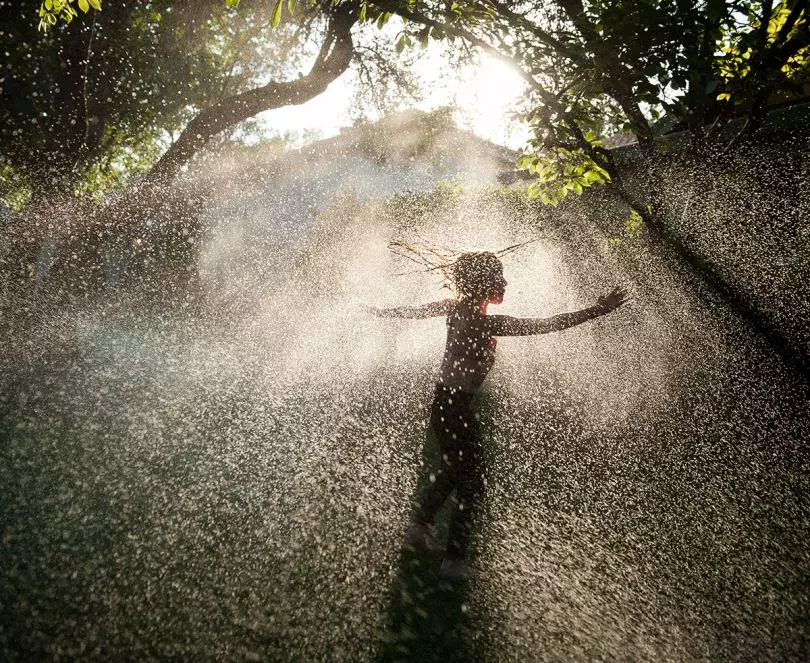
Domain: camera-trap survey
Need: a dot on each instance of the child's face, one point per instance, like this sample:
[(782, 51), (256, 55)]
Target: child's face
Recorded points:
[(479, 277), (494, 285), (497, 288)]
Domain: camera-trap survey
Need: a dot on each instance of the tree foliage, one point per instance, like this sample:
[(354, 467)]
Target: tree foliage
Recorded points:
[(87, 102), (52, 11), (606, 66)]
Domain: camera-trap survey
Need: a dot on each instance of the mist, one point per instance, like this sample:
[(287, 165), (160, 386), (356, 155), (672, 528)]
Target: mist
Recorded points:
[(236, 484)]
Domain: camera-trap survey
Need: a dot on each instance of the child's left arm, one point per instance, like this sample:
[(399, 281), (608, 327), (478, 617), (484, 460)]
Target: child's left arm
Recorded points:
[(505, 325), (430, 310)]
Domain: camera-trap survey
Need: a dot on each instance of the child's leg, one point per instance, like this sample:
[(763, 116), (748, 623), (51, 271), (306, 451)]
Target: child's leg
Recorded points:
[(447, 424), (470, 490), (435, 495), (457, 433)]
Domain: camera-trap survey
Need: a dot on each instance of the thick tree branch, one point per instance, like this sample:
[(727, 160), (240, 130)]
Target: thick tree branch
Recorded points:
[(333, 59), (793, 17), (765, 20)]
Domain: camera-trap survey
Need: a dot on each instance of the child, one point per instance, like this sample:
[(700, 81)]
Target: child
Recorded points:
[(469, 354)]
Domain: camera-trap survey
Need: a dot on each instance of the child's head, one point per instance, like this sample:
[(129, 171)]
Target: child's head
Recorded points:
[(479, 277)]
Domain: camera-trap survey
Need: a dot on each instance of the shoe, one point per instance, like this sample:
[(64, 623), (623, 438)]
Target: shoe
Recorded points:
[(458, 568), (420, 537)]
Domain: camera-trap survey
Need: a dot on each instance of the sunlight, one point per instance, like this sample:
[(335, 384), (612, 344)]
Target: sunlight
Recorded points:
[(485, 99), (484, 94)]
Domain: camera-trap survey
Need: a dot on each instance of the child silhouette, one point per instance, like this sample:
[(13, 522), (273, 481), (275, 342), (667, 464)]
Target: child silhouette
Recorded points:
[(469, 355)]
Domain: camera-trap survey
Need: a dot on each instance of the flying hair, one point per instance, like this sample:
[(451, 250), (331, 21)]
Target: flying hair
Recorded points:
[(448, 262)]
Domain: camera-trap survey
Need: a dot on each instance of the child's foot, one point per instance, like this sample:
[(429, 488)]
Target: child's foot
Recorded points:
[(458, 568), (420, 537)]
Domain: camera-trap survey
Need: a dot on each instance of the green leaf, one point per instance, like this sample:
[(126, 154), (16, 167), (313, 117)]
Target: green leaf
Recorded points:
[(277, 14), (361, 16), (291, 6), (84, 6), (592, 177), (230, 4), (382, 19), (96, 4)]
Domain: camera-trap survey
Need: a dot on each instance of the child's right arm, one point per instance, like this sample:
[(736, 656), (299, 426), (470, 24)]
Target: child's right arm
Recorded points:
[(431, 310)]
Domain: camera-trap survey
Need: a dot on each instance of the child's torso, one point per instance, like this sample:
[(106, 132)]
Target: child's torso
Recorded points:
[(470, 350)]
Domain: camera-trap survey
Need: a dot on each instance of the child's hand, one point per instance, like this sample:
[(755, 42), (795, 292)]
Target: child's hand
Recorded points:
[(613, 300)]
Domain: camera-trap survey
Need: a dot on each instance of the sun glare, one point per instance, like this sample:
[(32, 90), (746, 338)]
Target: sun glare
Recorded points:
[(483, 93), (485, 100)]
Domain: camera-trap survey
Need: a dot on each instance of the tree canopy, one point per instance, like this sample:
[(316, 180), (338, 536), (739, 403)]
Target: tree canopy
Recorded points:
[(591, 68), (88, 101)]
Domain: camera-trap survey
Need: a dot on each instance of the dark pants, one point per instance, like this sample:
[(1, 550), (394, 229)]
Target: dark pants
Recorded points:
[(462, 467)]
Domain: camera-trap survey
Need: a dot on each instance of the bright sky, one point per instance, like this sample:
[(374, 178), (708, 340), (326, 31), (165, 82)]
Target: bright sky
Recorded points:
[(485, 93)]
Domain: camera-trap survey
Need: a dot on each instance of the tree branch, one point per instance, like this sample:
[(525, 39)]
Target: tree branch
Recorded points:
[(541, 35), (765, 20), (615, 78), (548, 97), (332, 60), (795, 12)]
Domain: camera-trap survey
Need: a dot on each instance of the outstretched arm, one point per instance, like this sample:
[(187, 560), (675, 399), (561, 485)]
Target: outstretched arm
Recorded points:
[(424, 311), (505, 325)]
